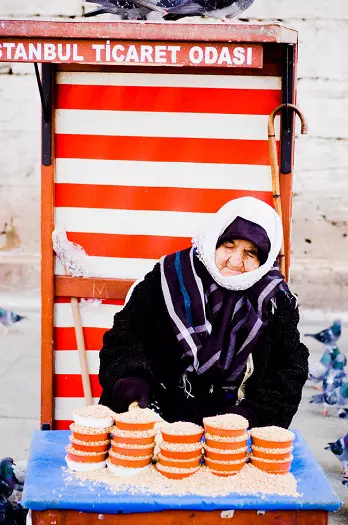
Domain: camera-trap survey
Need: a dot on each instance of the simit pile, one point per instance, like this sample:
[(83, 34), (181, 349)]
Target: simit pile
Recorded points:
[(89, 441), (133, 441), (181, 450), (225, 444), (271, 449)]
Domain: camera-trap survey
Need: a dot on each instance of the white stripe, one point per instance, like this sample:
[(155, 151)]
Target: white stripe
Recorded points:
[(67, 362), (114, 267), (168, 80), (63, 406), (100, 316), (129, 222), (164, 174), (164, 124)]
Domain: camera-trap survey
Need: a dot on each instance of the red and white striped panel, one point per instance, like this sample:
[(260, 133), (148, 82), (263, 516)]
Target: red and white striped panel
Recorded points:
[(141, 159)]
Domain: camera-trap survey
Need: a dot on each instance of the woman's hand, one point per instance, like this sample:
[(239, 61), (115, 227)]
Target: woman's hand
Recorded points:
[(128, 390)]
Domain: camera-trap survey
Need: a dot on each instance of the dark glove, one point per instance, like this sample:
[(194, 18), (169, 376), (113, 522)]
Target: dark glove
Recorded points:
[(130, 389)]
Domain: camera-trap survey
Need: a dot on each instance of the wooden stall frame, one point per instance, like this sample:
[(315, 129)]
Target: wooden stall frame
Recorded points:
[(44, 31), (47, 258)]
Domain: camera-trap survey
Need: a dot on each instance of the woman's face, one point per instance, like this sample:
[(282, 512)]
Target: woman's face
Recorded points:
[(236, 257)]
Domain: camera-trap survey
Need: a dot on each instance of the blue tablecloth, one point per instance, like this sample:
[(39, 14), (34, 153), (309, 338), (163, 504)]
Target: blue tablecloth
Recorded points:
[(46, 486)]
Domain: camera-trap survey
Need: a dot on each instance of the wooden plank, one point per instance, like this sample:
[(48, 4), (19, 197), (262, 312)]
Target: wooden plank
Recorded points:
[(93, 287), (272, 66), (132, 52), (183, 517), (149, 31), (47, 291)]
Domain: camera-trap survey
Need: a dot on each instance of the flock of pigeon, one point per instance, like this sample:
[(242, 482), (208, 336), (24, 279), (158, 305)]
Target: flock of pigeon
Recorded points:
[(330, 376), (170, 9)]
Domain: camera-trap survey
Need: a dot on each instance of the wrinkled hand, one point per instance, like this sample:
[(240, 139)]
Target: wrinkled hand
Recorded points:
[(128, 390)]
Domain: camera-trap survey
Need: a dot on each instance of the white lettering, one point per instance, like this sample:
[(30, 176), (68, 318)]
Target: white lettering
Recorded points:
[(49, 52), (61, 54), (146, 54), (118, 57), (225, 56), (107, 51), (76, 56), (249, 56), (9, 48), (132, 54), (174, 50), (20, 53), (211, 55), (161, 54), (98, 48), (196, 55), (34, 51), (0, 50), (239, 56)]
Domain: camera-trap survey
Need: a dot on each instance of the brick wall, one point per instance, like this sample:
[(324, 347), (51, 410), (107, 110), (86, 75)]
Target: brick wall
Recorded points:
[(320, 231)]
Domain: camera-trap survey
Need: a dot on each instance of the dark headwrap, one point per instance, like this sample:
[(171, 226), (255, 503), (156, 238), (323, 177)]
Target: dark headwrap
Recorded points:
[(250, 231), (218, 328)]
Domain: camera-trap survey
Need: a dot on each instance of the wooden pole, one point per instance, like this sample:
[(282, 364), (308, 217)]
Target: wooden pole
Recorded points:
[(273, 153), (86, 384)]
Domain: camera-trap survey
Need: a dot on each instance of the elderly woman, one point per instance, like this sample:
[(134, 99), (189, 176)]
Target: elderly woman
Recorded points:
[(211, 329)]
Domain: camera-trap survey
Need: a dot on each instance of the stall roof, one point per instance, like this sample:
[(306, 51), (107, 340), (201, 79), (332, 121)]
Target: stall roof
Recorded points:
[(135, 30)]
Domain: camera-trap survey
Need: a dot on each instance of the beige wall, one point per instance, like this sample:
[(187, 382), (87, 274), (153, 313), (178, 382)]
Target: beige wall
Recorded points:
[(321, 187)]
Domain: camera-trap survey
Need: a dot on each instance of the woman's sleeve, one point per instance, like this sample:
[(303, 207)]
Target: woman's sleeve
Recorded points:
[(124, 352), (273, 392)]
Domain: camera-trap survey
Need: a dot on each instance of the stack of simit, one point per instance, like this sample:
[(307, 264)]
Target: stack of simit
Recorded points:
[(133, 440), (180, 450), (89, 441), (225, 444), (271, 449)]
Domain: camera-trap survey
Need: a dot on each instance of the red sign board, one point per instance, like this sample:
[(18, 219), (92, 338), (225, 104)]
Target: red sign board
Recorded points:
[(131, 52)]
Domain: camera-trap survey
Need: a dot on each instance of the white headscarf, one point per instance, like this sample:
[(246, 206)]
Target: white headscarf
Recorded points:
[(250, 209)]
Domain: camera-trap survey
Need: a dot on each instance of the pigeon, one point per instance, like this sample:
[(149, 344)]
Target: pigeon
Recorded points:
[(11, 513), (335, 391), (329, 336), (7, 474), (318, 371), (340, 449), (171, 9), (343, 413), (8, 318)]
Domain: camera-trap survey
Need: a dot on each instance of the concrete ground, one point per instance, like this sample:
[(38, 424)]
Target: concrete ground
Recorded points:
[(20, 392)]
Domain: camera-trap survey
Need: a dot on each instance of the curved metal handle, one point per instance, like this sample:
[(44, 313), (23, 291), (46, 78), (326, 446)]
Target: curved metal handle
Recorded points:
[(278, 109)]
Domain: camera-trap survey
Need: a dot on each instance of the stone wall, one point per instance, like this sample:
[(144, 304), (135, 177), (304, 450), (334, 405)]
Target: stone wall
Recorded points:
[(320, 229)]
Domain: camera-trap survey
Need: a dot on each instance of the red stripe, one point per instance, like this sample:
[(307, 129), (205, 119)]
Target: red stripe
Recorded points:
[(60, 300), (163, 149), (168, 99), (62, 424), (153, 199), (65, 338), (129, 246), (65, 300), (70, 385)]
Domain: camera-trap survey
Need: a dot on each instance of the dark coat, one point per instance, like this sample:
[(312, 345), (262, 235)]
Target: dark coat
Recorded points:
[(141, 343)]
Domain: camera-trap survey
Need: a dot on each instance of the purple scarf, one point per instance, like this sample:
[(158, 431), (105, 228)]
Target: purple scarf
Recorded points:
[(216, 328)]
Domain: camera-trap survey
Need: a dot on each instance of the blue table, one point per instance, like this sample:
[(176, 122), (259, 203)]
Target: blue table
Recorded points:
[(52, 498)]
